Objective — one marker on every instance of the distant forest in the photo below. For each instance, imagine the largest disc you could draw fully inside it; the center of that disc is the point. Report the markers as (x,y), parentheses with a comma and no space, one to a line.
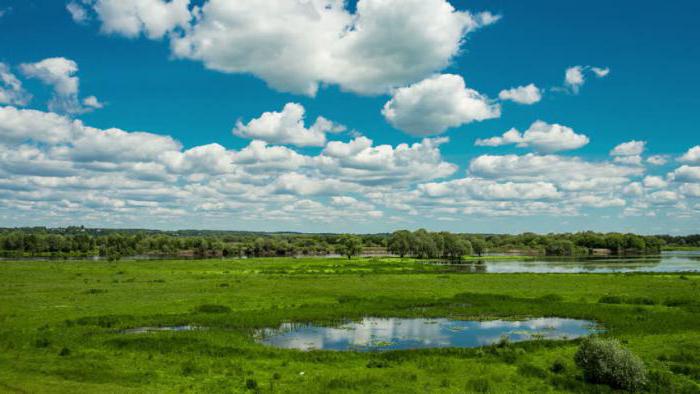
(114,244)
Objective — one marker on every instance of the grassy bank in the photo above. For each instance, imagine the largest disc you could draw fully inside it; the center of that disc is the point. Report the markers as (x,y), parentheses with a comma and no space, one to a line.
(60,322)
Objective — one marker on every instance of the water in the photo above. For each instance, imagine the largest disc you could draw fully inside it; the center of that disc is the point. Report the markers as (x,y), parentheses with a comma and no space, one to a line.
(666,262)
(147,330)
(371,334)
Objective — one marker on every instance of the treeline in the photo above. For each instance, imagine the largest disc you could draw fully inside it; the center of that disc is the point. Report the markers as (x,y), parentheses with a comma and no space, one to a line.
(114,244)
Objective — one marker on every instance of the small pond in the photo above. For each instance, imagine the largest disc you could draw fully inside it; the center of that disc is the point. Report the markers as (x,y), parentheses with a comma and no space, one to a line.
(146,330)
(371,334)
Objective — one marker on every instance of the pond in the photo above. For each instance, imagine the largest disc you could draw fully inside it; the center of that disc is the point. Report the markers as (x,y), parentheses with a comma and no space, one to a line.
(666,262)
(147,330)
(372,334)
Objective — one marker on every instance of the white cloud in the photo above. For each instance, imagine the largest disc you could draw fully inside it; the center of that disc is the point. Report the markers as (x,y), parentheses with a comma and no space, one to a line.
(541,136)
(657,160)
(11,91)
(527,95)
(297,45)
(686,174)
(664,197)
(20,125)
(360,161)
(92,102)
(633,189)
(59,73)
(287,127)
(562,170)
(153,18)
(573,78)
(654,182)
(436,104)
(483,189)
(628,160)
(692,156)
(58,168)
(690,189)
(601,72)
(77,12)
(630,148)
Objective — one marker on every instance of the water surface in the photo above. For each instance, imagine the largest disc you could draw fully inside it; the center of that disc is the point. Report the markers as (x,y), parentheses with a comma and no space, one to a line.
(372,334)
(666,262)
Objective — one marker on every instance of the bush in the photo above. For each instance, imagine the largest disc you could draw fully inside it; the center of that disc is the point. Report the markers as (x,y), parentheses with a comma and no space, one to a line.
(212,308)
(610,299)
(606,361)
(251,384)
(558,366)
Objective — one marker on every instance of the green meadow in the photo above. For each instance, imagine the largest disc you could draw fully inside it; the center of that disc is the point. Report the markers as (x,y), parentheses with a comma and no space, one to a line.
(61,326)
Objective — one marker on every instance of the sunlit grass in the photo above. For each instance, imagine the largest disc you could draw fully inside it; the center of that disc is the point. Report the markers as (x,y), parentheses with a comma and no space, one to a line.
(61,322)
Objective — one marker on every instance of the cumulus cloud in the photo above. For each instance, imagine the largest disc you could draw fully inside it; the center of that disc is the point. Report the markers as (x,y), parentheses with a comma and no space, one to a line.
(692,156)
(483,189)
(657,160)
(287,127)
(561,170)
(686,173)
(92,102)
(436,104)
(59,73)
(574,77)
(54,166)
(654,182)
(630,148)
(541,136)
(527,95)
(361,161)
(78,13)
(153,18)
(11,91)
(297,45)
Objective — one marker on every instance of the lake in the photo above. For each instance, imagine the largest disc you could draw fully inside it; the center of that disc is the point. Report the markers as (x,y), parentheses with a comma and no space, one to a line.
(372,334)
(666,262)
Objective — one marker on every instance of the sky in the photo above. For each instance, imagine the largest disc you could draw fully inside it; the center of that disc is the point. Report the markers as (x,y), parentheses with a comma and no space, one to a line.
(359,116)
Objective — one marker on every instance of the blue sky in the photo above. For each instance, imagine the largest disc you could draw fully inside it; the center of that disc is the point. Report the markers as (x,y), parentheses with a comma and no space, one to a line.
(126,57)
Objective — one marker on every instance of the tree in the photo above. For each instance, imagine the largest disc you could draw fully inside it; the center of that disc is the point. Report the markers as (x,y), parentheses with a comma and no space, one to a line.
(349,245)
(400,242)
(455,247)
(562,247)
(479,246)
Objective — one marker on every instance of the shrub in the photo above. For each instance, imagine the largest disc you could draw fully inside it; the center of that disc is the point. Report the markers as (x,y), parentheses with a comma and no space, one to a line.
(558,366)
(606,361)
(251,384)
(212,308)
(64,352)
(610,299)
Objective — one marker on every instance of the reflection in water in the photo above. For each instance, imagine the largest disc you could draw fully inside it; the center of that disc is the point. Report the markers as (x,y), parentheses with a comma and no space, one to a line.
(667,262)
(398,333)
(146,330)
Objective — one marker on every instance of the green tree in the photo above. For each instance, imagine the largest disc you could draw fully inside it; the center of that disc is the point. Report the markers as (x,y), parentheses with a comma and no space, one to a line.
(479,246)
(349,245)
(400,243)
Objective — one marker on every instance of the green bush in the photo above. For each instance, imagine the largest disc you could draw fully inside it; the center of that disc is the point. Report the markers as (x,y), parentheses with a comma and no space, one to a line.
(606,361)
(610,299)
(558,366)
(212,308)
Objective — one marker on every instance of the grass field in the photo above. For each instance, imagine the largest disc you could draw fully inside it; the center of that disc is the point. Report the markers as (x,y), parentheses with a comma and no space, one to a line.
(60,323)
